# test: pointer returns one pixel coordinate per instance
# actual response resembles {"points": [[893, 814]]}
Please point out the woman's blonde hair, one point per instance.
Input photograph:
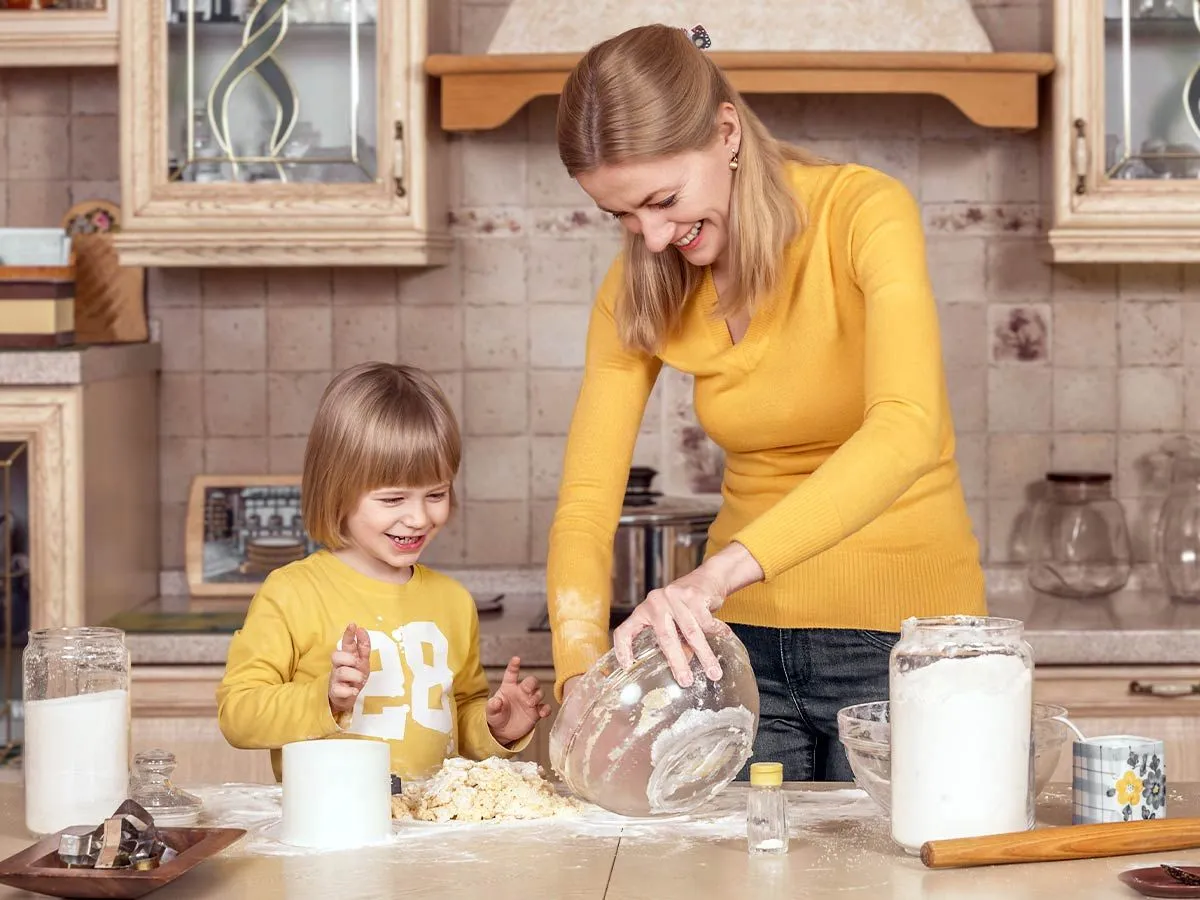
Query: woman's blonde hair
{"points": [[649, 92], [378, 425]]}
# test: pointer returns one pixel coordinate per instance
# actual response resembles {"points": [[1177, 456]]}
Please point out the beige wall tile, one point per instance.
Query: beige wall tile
{"points": [[971, 455], [300, 287], [38, 92], [432, 337], [449, 546], [364, 334], [1157, 282], [181, 404], [1190, 338], [1150, 399], [895, 156], [1150, 333], [1090, 282], [942, 120], [173, 287], [181, 459], [1017, 271], [964, 329], [1084, 452], [438, 285], [493, 165], [1085, 334], [546, 463], [954, 171], [559, 271], [497, 533], [364, 287], [172, 519], [236, 456], [1014, 168], [94, 92], [235, 404], [285, 455], [451, 384], [553, 393], [3, 200], [1191, 398], [1007, 530], [1137, 471], [235, 340], [977, 510], [1015, 463], [496, 337], [541, 517], [300, 339], [957, 268], [1019, 399], [38, 147], [1085, 399], [37, 203], [497, 403], [558, 335], [854, 116], [95, 148], [233, 287], [547, 182], [105, 189], [497, 468], [182, 339], [493, 271], [292, 401]]}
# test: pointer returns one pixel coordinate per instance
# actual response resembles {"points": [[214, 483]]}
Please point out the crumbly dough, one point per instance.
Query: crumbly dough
{"points": [[491, 790]]}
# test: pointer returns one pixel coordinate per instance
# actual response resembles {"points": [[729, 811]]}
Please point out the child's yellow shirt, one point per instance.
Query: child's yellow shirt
{"points": [[427, 692]]}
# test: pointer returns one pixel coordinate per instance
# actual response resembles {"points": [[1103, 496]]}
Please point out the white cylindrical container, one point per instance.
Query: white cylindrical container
{"points": [[961, 711], [76, 754], [337, 793]]}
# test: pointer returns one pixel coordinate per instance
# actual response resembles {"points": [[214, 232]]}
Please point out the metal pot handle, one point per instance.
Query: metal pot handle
{"points": [[691, 538]]}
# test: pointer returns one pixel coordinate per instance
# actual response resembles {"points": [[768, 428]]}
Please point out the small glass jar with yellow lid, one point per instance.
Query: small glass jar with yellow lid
{"points": [[766, 810]]}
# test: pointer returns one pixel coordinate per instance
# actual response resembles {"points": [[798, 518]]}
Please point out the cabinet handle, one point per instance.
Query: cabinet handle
{"points": [[398, 160], [1081, 156], [1163, 689]]}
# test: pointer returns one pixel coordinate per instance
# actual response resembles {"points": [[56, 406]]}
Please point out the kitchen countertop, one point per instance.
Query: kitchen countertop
{"points": [[77, 365], [840, 844], [1134, 627]]}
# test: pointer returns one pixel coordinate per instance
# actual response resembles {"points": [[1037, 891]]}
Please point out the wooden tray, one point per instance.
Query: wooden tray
{"points": [[38, 868]]}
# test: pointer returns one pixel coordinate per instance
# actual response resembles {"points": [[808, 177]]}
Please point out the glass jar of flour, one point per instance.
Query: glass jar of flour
{"points": [[961, 711], [76, 754]]}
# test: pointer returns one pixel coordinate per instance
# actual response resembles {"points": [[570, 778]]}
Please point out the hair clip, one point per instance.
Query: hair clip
{"points": [[699, 37]]}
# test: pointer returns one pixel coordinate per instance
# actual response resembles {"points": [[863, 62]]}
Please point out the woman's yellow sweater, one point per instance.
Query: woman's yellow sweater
{"points": [[840, 476]]}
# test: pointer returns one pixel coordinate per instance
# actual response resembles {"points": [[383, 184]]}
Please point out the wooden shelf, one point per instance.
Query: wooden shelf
{"points": [[59, 38], [995, 90]]}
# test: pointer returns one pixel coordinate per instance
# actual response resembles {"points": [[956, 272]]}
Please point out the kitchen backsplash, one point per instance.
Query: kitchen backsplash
{"points": [[1048, 367]]}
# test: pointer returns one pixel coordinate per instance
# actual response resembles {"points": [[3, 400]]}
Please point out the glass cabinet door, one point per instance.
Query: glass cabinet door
{"points": [[276, 132], [283, 91], [1127, 130]]}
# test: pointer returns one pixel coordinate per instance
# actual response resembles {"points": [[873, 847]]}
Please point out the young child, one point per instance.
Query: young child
{"points": [[359, 639]]}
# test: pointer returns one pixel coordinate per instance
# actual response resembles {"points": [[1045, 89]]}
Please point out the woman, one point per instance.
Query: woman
{"points": [[796, 294]]}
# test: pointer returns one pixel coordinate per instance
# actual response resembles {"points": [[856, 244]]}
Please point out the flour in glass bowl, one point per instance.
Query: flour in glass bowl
{"points": [[961, 738]]}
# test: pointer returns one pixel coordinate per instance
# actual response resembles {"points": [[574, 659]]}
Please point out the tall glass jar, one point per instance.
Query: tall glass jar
{"points": [[961, 711], [1177, 543], [1078, 537], [76, 698]]}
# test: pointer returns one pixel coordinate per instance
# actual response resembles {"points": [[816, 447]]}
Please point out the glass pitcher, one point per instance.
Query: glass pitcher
{"points": [[1177, 537], [76, 755], [1078, 538], [961, 716]]}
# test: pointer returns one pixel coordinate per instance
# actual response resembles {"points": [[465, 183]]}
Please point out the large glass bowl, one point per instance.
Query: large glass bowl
{"points": [[865, 732], [636, 743]]}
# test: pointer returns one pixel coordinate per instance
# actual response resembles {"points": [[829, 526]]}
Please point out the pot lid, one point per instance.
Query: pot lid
{"points": [[645, 506]]}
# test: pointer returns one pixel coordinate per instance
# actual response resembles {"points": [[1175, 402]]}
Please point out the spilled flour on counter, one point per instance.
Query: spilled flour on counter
{"points": [[491, 790]]}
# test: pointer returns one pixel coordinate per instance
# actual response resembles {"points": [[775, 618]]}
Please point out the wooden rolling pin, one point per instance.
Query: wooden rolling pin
{"points": [[1066, 842]]}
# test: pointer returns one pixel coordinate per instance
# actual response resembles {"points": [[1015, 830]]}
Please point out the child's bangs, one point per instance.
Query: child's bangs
{"points": [[413, 455]]}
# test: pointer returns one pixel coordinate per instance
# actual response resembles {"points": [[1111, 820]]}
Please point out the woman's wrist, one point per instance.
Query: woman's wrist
{"points": [[733, 568]]}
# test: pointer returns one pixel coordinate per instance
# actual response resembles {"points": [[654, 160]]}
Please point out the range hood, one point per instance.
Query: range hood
{"points": [[764, 46], [913, 26]]}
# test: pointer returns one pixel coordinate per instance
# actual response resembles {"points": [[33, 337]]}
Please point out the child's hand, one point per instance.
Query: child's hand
{"points": [[351, 669], [515, 708]]}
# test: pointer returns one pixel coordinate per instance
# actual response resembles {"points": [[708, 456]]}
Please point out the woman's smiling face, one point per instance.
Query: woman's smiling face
{"points": [[680, 200]]}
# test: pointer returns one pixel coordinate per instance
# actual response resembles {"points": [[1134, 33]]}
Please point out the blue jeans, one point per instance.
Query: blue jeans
{"points": [[805, 675]]}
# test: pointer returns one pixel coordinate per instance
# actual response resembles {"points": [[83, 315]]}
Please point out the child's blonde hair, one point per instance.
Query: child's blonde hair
{"points": [[378, 425]]}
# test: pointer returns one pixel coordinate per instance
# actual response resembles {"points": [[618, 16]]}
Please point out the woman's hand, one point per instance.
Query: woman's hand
{"points": [[351, 669], [516, 707], [684, 608]]}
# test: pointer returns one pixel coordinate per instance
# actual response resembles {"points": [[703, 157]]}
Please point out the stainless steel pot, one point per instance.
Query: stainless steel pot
{"points": [[658, 539]]}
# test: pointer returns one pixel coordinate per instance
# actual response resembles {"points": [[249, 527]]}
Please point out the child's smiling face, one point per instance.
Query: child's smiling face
{"points": [[388, 529]]}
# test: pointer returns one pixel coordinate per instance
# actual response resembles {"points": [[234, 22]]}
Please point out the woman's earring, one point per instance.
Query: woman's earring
{"points": [[733, 162]]}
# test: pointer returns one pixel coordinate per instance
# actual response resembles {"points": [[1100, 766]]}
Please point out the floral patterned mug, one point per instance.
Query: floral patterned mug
{"points": [[1118, 778]]}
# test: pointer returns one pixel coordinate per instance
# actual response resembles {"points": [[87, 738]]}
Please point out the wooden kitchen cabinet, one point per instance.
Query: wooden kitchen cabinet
{"points": [[59, 35], [1151, 701], [1126, 129], [175, 708], [298, 137]]}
